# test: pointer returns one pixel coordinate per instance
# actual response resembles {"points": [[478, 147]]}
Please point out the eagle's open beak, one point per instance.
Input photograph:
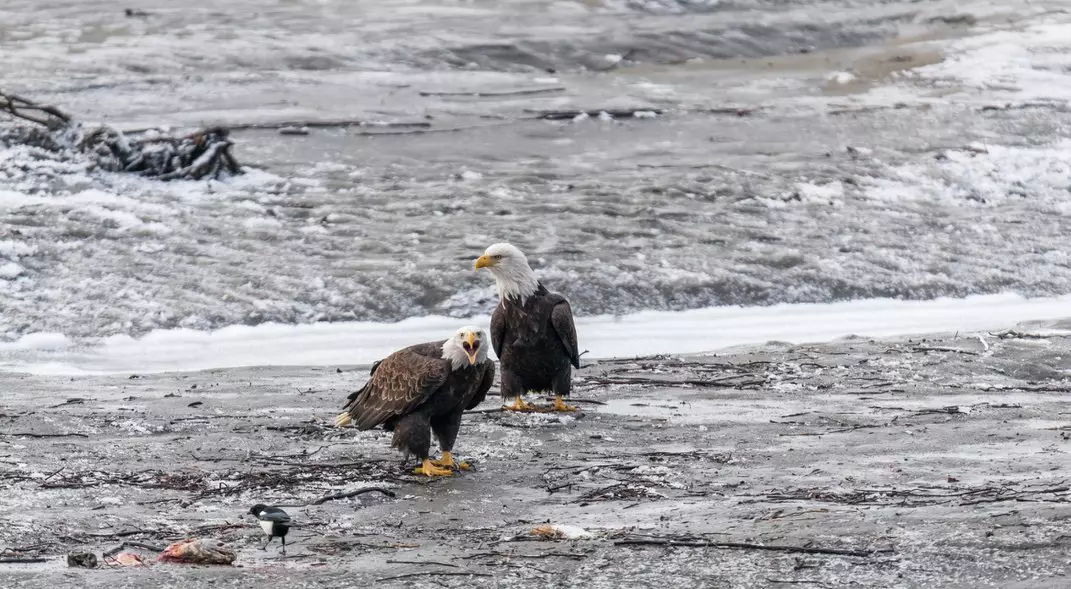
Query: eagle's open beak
{"points": [[484, 262], [471, 345]]}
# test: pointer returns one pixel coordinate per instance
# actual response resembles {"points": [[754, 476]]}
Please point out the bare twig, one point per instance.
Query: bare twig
{"points": [[429, 573], [422, 562], [520, 92], [665, 541], [129, 543], [725, 381], [573, 400], [123, 534], [574, 555], [33, 435], [21, 560], [25, 109], [345, 495], [57, 471]]}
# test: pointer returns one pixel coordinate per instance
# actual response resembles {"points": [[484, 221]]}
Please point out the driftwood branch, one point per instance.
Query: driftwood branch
{"points": [[33, 435], [346, 495], [21, 560], [519, 92], [691, 542], [423, 562], [28, 110], [572, 555], [435, 573]]}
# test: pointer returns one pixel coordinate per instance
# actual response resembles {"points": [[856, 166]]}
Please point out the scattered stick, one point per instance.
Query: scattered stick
{"points": [[54, 473], [28, 110], [21, 560], [745, 546], [521, 92], [122, 534], [128, 544], [574, 555], [423, 562], [349, 494], [572, 400], [440, 573], [725, 381], [33, 435], [301, 454]]}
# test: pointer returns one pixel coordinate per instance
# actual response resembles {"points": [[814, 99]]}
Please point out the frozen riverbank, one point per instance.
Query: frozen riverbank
{"points": [[639, 334]]}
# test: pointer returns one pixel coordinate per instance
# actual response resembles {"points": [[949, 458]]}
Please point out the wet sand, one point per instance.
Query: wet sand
{"points": [[915, 462]]}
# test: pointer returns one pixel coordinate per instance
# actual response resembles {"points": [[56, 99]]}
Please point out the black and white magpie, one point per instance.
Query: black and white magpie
{"points": [[274, 522]]}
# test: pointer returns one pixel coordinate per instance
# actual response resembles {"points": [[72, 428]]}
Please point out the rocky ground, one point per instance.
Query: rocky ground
{"points": [[921, 462]]}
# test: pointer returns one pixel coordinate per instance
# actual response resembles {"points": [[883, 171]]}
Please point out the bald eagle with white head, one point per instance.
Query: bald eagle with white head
{"points": [[422, 389], [532, 330]]}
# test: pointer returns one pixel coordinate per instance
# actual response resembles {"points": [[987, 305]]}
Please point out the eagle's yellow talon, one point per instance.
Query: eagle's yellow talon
{"points": [[518, 405], [429, 469], [447, 461], [559, 405], [343, 419]]}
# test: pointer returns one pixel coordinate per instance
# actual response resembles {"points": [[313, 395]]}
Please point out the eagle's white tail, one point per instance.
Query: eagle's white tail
{"points": [[343, 419]]}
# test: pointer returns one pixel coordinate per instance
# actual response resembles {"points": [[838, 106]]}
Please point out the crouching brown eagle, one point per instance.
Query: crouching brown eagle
{"points": [[532, 330], [422, 389]]}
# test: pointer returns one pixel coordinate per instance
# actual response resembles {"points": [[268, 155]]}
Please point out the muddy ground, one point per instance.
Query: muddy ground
{"points": [[921, 462]]}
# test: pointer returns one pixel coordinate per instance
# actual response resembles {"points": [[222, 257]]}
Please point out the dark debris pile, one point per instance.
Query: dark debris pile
{"points": [[204, 154], [152, 153]]}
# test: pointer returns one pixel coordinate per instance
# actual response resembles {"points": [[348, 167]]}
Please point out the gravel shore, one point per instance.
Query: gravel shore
{"points": [[915, 462]]}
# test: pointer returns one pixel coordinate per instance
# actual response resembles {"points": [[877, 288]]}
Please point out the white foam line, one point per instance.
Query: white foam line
{"points": [[638, 334]]}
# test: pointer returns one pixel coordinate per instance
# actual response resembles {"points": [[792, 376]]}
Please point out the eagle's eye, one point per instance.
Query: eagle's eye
{"points": [[497, 257]]}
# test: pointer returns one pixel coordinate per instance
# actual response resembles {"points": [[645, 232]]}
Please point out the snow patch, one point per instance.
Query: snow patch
{"points": [[606, 336]]}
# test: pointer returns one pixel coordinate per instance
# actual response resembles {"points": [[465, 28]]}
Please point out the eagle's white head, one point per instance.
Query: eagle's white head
{"points": [[467, 347], [513, 276]]}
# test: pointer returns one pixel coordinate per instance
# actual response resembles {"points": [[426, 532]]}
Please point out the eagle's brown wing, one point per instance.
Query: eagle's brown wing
{"points": [[399, 384], [561, 318], [498, 329], [483, 386]]}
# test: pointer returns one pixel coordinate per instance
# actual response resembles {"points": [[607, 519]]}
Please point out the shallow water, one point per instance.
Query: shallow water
{"points": [[855, 171]]}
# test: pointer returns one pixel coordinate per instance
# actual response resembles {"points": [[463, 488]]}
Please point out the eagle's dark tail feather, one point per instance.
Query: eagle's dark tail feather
{"points": [[351, 401], [350, 408]]}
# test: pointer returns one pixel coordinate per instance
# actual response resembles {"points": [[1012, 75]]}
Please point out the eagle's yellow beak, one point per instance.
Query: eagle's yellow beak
{"points": [[471, 346], [484, 262]]}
